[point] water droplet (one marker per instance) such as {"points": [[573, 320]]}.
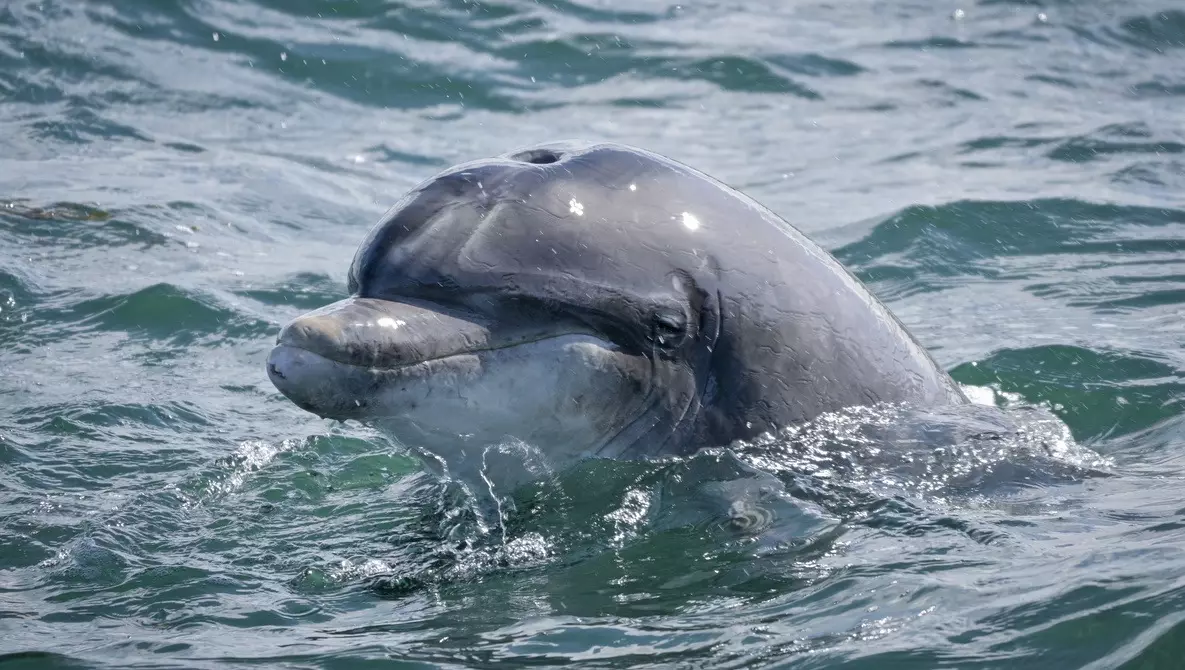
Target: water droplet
{"points": [[216, 37], [283, 55]]}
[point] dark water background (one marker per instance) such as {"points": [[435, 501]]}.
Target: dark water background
{"points": [[179, 178]]}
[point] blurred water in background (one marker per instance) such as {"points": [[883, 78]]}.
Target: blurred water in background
{"points": [[179, 178]]}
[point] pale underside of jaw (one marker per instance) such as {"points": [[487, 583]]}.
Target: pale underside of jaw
{"points": [[318, 378], [435, 407]]}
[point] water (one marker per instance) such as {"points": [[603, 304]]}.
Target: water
{"points": [[179, 178]]}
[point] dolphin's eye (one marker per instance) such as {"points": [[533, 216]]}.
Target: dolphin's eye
{"points": [[669, 330]]}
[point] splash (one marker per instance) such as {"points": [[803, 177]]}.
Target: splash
{"points": [[940, 454], [231, 472]]}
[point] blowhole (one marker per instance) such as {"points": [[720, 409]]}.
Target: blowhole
{"points": [[538, 156]]}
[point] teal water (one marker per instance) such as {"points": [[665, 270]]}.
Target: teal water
{"points": [[177, 179]]}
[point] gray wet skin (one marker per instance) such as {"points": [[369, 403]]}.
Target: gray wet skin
{"points": [[593, 300]]}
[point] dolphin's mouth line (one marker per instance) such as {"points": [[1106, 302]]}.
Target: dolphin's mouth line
{"points": [[444, 357]]}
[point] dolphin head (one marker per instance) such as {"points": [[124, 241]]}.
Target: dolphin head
{"points": [[556, 295]]}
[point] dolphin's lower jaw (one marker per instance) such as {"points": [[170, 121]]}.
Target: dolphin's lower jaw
{"points": [[390, 398], [562, 391]]}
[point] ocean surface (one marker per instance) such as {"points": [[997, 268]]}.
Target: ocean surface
{"points": [[179, 178]]}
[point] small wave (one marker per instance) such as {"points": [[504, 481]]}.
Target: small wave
{"points": [[931, 43], [303, 291], [103, 422], [167, 313], [579, 60], [74, 226], [609, 14], [1159, 88], [169, 318], [1099, 393], [1156, 32], [1114, 139], [736, 73], [924, 248], [80, 125]]}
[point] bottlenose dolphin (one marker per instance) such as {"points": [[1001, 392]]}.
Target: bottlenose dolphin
{"points": [[593, 300]]}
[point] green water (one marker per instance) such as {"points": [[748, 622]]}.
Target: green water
{"points": [[177, 179]]}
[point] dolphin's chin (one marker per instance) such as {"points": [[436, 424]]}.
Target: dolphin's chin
{"points": [[451, 381], [344, 391], [565, 388], [313, 382]]}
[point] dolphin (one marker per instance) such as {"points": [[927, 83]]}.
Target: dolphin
{"points": [[592, 300]]}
